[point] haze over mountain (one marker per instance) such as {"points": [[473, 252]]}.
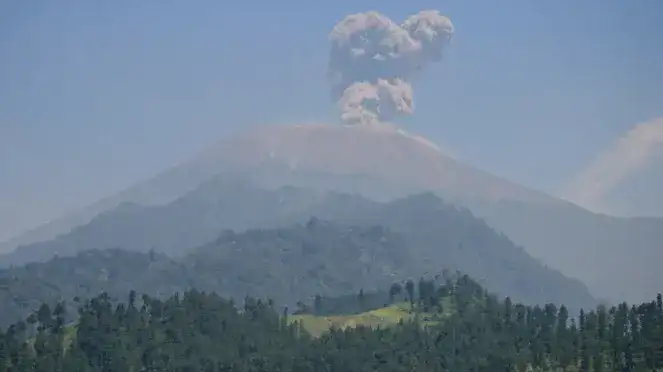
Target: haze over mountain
{"points": [[635, 153], [96, 97], [383, 162], [374, 64], [527, 178], [390, 161], [315, 236]]}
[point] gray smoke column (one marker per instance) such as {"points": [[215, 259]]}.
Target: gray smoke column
{"points": [[372, 60]]}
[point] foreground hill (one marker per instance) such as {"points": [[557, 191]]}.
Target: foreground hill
{"points": [[297, 262], [23, 289]]}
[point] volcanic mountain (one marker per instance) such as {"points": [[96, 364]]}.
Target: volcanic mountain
{"points": [[381, 161], [384, 162], [383, 153]]}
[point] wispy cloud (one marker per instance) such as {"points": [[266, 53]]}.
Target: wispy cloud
{"points": [[632, 152]]}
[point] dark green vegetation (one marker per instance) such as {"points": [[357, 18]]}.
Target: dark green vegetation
{"points": [[285, 264], [196, 331], [115, 271], [423, 237]]}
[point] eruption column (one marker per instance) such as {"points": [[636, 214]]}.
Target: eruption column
{"points": [[372, 59]]}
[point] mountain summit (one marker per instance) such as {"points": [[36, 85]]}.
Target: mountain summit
{"points": [[382, 152]]}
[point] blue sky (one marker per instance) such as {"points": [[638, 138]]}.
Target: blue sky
{"points": [[96, 95]]}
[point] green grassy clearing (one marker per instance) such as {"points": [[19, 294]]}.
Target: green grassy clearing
{"points": [[383, 317]]}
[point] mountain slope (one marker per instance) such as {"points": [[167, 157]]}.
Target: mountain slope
{"points": [[23, 289], [434, 235], [444, 234], [228, 202], [378, 155], [623, 253], [614, 257], [383, 163], [285, 264]]}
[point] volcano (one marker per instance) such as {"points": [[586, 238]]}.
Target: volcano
{"points": [[385, 162], [384, 153], [381, 161]]}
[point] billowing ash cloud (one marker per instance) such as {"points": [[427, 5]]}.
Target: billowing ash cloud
{"points": [[632, 152], [366, 102], [372, 60]]}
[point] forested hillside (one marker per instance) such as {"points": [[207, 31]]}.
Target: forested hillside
{"points": [[443, 235], [115, 271], [286, 264], [198, 331], [433, 236], [296, 263]]}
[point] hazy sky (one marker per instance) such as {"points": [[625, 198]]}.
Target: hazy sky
{"points": [[96, 95]]}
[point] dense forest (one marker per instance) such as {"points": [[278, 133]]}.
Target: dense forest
{"points": [[198, 331]]}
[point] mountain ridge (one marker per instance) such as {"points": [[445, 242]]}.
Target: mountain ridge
{"points": [[436, 232], [384, 164]]}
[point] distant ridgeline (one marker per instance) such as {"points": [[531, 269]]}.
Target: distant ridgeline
{"points": [[455, 326]]}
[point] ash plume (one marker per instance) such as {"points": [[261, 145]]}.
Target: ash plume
{"points": [[632, 152], [372, 59]]}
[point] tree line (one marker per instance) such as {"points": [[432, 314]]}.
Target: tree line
{"points": [[198, 331]]}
